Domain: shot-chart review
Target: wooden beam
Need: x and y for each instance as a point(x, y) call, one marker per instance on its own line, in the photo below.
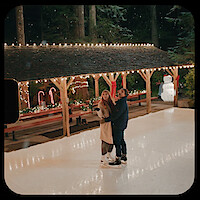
point(171, 73)
point(96, 81)
point(19, 99)
point(148, 91)
point(58, 80)
point(56, 83)
point(147, 76)
point(107, 80)
point(124, 79)
point(61, 85)
point(175, 87)
point(69, 82)
point(111, 76)
point(62, 95)
point(66, 101)
point(151, 72)
point(116, 76)
point(143, 75)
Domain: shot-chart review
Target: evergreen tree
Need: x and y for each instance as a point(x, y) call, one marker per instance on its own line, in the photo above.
point(183, 52)
point(58, 23)
point(109, 28)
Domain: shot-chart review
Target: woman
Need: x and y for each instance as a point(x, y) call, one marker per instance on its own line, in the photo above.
point(105, 106)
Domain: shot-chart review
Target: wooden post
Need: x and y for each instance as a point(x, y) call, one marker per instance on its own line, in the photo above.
point(174, 74)
point(19, 99)
point(124, 79)
point(147, 77)
point(65, 102)
point(176, 87)
point(111, 78)
point(148, 90)
point(62, 94)
point(96, 80)
point(61, 84)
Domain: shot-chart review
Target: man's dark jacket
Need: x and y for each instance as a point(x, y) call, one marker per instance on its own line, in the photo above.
point(119, 116)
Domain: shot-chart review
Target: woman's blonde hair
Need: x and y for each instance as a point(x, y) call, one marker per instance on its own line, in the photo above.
point(110, 99)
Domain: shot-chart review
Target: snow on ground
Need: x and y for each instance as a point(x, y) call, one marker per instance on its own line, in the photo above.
point(160, 160)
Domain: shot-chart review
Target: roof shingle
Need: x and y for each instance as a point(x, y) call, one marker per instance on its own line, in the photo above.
point(30, 63)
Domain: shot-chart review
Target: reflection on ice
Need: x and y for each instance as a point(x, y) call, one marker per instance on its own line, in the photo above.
point(72, 165)
point(170, 110)
point(92, 183)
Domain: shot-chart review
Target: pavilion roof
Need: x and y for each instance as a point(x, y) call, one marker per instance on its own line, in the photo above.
point(39, 62)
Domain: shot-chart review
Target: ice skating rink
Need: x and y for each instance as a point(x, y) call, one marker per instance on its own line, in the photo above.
point(160, 160)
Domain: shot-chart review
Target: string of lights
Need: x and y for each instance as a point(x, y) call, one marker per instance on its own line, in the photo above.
point(83, 45)
point(83, 76)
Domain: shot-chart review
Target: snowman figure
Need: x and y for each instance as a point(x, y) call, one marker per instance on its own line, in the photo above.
point(168, 91)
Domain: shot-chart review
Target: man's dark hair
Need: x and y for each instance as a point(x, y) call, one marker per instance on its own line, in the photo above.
point(125, 91)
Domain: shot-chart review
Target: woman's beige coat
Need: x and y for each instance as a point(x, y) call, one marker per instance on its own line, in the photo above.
point(105, 127)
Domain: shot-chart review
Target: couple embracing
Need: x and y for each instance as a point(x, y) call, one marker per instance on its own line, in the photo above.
point(114, 119)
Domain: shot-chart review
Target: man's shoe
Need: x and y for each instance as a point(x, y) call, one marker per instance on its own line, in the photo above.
point(124, 159)
point(116, 162)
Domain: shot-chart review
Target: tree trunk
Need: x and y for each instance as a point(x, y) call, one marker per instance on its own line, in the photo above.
point(41, 24)
point(79, 23)
point(92, 22)
point(154, 31)
point(20, 25)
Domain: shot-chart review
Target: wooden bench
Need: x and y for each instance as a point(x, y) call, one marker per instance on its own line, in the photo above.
point(58, 118)
point(131, 96)
point(139, 101)
point(40, 114)
point(41, 122)
point(29, 116)
point(48, 112)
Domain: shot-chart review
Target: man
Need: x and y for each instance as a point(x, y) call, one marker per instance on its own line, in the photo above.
point(119, 120)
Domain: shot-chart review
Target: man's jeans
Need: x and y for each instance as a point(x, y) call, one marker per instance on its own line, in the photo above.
point(119, 142)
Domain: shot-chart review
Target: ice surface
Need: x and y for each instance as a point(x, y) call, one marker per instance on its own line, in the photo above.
point(160, 160)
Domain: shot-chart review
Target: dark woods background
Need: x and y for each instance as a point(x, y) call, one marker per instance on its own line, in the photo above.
point(114, 23)
point(169, 27)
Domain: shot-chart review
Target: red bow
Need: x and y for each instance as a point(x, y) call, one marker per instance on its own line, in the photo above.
point(178, 80)
point(113, 89)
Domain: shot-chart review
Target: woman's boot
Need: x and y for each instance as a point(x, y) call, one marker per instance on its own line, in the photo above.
point(109, 157)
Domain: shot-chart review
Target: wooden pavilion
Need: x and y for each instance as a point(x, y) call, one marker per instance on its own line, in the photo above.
point(62, 63)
